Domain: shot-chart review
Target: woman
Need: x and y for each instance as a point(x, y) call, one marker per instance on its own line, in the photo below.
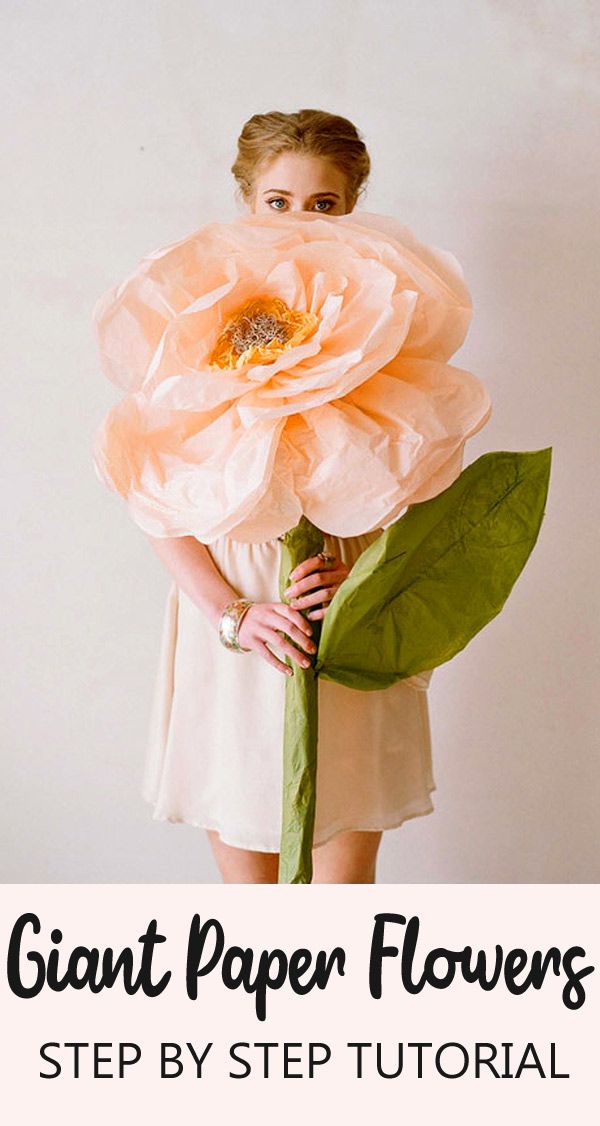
point(215, 748)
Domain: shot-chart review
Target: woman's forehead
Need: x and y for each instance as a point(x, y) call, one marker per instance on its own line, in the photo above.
point(292, 171)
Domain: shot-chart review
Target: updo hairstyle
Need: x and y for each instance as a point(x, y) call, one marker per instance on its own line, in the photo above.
point(311, 131)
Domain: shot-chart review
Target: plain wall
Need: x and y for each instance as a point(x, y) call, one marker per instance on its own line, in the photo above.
point(481, 121)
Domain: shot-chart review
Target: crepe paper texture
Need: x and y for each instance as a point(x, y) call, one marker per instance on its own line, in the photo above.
point(284, 365)
point(414, 598)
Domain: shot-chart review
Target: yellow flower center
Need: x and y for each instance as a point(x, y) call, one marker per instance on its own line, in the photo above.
point(259, 332)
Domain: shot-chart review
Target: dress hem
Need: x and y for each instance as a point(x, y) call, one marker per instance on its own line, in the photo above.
point(395, 823)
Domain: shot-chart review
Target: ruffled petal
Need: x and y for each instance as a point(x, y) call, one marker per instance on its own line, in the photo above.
point(348, 418)
point(396, 440)
point(180, 477)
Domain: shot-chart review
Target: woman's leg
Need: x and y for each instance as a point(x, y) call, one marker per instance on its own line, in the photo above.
point(240, 865)
point(349, 858)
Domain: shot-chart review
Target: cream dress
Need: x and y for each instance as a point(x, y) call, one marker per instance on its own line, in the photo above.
point(214, 756)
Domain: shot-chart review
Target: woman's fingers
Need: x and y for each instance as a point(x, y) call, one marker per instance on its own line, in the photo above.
point(323, 594)
point(318, 578)
point(316, 615)
point(315, 584)
point(294, 624)
point(281, 642)
point(285, 627)
point(326, 586)
point(266, 623)
point(273, 660)
point(283, 619)
point(308, 565)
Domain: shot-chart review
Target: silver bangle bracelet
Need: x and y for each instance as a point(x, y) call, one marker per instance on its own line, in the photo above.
point(230, 622)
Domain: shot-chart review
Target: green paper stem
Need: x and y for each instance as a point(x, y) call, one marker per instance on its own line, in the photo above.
point(300, 726)
point(418, 594)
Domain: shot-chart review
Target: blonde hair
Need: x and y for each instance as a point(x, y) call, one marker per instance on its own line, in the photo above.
point(311, 131)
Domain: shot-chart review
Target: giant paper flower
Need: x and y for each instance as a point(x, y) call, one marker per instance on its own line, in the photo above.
point(286, 365)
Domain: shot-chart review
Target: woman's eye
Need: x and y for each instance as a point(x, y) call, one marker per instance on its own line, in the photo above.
point(278, 203)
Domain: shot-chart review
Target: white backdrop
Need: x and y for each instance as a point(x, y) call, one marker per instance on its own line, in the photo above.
point(480, 118)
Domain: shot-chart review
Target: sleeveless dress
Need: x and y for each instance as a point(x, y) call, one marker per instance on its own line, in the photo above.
point(215, 740)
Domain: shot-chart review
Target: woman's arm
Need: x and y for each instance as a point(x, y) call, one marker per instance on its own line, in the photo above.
point(197, 575)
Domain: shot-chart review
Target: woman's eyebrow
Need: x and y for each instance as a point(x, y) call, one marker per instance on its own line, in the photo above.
point(280, 191)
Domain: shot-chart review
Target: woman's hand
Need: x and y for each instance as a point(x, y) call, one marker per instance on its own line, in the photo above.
point(315, 583)
point(265, 623)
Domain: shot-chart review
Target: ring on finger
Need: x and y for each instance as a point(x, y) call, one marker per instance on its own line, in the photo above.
point(326, 556)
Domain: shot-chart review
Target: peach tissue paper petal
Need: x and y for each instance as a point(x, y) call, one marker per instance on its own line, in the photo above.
point(276, 366)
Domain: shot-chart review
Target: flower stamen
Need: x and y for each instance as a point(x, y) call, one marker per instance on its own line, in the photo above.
point(259, 332)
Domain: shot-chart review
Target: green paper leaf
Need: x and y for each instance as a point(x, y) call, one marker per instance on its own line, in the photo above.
point(435, 578)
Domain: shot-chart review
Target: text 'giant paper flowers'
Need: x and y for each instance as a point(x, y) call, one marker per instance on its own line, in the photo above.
point(280, 366)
